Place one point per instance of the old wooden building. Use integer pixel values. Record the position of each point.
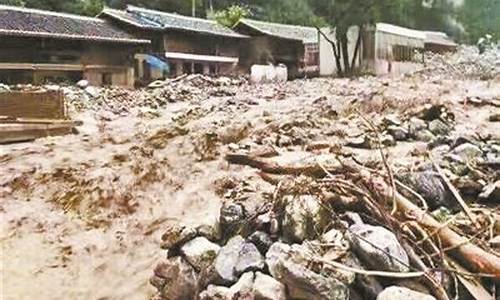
(294, 46)
(40, 46)
(439, 42)
(185, 44)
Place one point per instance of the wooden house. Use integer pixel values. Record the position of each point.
(294, 46)
(41, 46)
(439, 42)
(186, 44)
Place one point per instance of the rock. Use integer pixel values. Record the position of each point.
(175, 279)
(429, 185)
(261, 240)
(491, 192)
(415, 125)
(431, 112)
(215, 292)
(494, 117)
(495, 242)
(232, 219)
(266, 287)
(210, 229)
(249, 259)
(401, 293)
(92, 91)
(82, 84)
(424, 136)
(467, 151)
(399, 133)
(378, 248)
(228, 258)
(439, 127)
(243, 289)
(200, 252)
(391, 120)
(157, 84)
(337, 244)
(362, 142)
(303, 283)
(175, 236)
(388, 140)
(303, 218)
(236, 257)
(4, 88)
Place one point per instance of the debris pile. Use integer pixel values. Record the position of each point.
(336, 228)
(466, 63)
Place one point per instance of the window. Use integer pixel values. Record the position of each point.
(198, 68)
(186, 68)
(107, 78)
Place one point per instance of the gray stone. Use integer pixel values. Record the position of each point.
(266, 287)
(439, 127)
(398, 132)
(82, 83)
(303, 218)
(244, 287)
(378, 248)
(200, 252)
(388, 140)
(175, 279)
(429, 185)
(362, 142)
(424, 136)
(392, 120)
(303, 283)
(215, 292)
(401, 293)
(261, 240)
(210, 229)
(92, 91)
(236, 257)
(467, 151)
(415, 125)
(280, 252)
(249, 259)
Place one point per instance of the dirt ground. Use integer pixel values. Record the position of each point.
(82, 215)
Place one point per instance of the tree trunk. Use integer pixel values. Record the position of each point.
(356, 49)
(344, 43)
(336, 52)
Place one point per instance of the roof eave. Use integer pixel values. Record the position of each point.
(71, 37)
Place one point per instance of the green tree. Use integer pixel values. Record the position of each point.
(231, 15)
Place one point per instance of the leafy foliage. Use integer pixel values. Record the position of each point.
(230, 16)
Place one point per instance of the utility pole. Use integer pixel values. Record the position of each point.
(193, 8)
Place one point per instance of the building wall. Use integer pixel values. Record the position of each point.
(66, 60)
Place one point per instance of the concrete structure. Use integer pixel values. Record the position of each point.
(40, 46)
(294, 46)
(186, 44)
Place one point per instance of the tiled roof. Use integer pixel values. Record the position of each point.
(158, 20)
(291, 32)
(16, 21)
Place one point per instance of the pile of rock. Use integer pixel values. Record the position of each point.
(465, 63)
(270, 256)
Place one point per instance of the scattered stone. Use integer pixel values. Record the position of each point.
(232, 218)
(261, 240)
(362, 142)
(415, 125)
(378, 248)
(249, 259)
(439, 127)
(392, 120)
(200, 252)
(82, 84)
(398, 132)
(495, 242)
(467, 151)
(267, 288)
(303, 283)
(215, 292)
(494, 117)
(210, 230)
(429, 185)
(491, 192)
(388, 140)
(244, 287)
(175, 279)
(401, 293)
(303, 218)
(176, 235)
(236, 258)
(424, 136)
(431, 112)
(279, 252)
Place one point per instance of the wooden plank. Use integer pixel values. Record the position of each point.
(41, 105)
(10, 133)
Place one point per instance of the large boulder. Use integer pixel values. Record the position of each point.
(401, 293)
(236, 257)
(200, 252)
(429, 185)
(467, 152)
(378, 248)
(175, 279)
(303, 218)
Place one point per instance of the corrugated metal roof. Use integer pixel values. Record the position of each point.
(16, 21)
(291, 32)
(158, 20)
